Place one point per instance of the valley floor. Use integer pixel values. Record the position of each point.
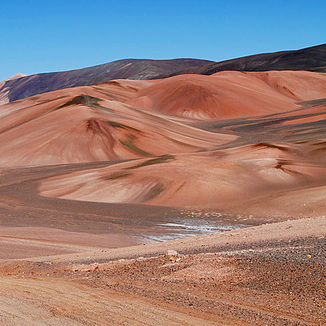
(273, 274)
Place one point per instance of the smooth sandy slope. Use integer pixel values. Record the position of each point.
(91, 177)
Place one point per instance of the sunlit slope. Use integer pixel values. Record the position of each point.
(231, 94)
(90, 124)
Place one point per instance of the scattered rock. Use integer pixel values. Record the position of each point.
(140, 258)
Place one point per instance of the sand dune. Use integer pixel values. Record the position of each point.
(222, 180)
(90, 124)
(231, 94)
(262, 135)
(243, 153)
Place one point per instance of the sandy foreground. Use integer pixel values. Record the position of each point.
(273, 274)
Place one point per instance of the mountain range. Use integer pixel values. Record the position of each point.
(311, 59)
(122, 69)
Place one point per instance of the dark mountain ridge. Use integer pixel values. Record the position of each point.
(122, 69)
(311, 59)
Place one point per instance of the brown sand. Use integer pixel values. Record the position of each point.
(231, 94)
(91, 176)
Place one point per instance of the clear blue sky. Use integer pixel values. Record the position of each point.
(53, 35)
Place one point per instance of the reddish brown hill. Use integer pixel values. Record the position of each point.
(231, 94)
(242, 179)
(127, 119)
(90, 124)
(240, 160)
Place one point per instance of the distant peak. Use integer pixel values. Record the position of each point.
(16, 76)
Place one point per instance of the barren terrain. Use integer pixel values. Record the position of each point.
(267, 275)
(95, 179)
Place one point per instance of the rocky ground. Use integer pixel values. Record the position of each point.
(263, 275)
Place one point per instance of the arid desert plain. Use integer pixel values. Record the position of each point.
(170, 199)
